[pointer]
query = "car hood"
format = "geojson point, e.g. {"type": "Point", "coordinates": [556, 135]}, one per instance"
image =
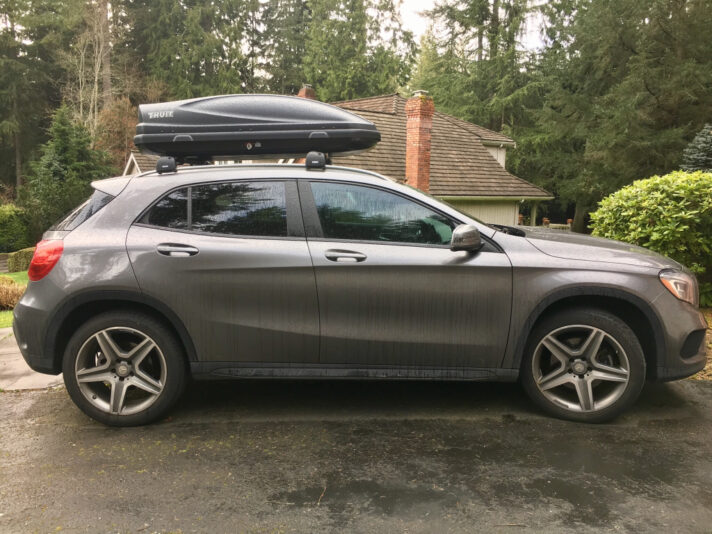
{"type": "Point", "coordinates": [573, 246]}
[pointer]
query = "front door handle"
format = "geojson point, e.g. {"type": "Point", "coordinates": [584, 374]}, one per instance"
{"type": "Point", "coordinates": [344, 255]}
{"type": "Point", "coordinates": [176, 250]}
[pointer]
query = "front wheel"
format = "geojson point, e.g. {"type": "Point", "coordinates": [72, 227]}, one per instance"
{"type": "Point", "coordinates": [583, 365]}
{"type": "Point", "coordinates": [124, 369]}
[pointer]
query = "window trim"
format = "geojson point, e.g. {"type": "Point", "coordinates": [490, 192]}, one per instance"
{"type": "Point", "coordinates": [295, 226]}
{"type": "Point", "coordinates": [312, 224]}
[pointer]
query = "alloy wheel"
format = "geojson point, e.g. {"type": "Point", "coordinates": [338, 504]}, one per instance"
{"type": "Point", "coordinates": [581, 368]}
{"type": "Point", "coordinates": [120, 370]}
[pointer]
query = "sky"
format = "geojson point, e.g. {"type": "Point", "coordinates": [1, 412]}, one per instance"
{"type": "Point", "coordinates": [413, 21]}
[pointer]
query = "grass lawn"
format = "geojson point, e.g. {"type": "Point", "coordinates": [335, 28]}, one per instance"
{"type": "Point", "coordinates": [5, 318]}
{"type": "Point", "coordinates": [20, 278]}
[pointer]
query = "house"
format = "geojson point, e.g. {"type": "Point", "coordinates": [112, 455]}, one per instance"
{"type": "Point", "coordinates": [459, 162]}
{"type": "Point", "coordinates": [454, 160]}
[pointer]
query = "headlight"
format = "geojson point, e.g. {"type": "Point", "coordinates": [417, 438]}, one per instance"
{"type": "Point", "coordinates": [682, 285]}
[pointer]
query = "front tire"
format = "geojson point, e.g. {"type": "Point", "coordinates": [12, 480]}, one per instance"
{"type": "Point", "coordinates": [583, 365]}
{"type": "Point", "coordinates": [124, 369]}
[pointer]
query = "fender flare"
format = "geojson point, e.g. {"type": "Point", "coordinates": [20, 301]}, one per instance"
{"type": "Point", "coordinates": [590, 291]}
{"type": "Point", "coordinates": [67, 307]}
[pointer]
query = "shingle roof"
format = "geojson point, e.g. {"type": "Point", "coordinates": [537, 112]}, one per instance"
{"type": "Point", "coordinates": [145, 162]}
{"type": "Point", "coordinates": [460, 165]}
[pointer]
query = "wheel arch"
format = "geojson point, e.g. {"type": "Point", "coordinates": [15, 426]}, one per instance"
{"type": "Point", "coordinates": [631, 309]}
{"type": "Point", "coordinates": [79, 308]}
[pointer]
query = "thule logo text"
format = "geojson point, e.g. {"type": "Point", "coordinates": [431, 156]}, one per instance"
{"type": "Point", "coordinates": [159, 114]}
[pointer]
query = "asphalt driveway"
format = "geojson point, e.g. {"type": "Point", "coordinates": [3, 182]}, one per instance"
{"type": "Point", "coordinates": [360, 457]}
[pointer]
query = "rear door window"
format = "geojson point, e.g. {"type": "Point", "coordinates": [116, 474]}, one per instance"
{"type": "Point", "coordinates": [240, 208]}
{"type": "Point", "coordinates": [232, 208]}
{"type": "Point", "coordinates": [170, 212]}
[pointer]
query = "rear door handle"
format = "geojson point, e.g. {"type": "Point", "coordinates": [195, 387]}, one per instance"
{"type": "Point", "coordinates": [344, 256]}
{"type": "Point", "coordinates": [176, 250]}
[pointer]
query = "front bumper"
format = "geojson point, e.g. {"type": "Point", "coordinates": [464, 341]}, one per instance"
{"type": "Point", "coordinates": [685, 340]}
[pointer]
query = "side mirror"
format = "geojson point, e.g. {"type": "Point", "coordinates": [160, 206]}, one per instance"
{"type": "Point", "coordinates": [466, 237]}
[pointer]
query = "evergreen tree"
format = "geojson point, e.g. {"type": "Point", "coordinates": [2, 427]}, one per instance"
{"type": "Point", "coordinates": [698, 154]}
{"type": "Point", "coordinates": [60, 179]}
{"type": "Point", "coordinates": [356, 48]}
{"type": "Point", "coordinates": [31, 33]}
{"type": "Point", "coordinates": [284, 45]}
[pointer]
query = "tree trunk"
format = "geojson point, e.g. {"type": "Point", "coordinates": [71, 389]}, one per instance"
{"type": "Point", "coordinates": [18, 163]}
{"type": "Point", "coordinates": [579, 224]}
{"type": "Point", "coordinates": [494, 30]}
{"type": "Point", "coordinates": [106, 55]}
{"type": "Point", "coordinates": [480, 42]}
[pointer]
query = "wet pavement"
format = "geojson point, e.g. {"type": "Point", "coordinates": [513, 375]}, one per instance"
{"type": "Point", "coordinates": [269, 456]}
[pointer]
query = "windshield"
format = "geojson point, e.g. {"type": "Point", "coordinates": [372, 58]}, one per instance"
{"type": "Point", "coordinates": [95, 202]}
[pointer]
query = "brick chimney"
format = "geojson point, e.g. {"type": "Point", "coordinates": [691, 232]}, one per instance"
{"type": "Point", "coordinates": [307, 91]}
{"type": "Point", "coordinates": [419, 109]}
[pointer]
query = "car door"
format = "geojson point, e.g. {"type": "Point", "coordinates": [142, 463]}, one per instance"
{"type": "Point", "coordinates": [391, 292]}
{"type": "Point", "coordinates": [231, 260]}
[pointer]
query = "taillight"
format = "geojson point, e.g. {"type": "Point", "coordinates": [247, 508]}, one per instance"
{"type": "Point", "coordinates": [46, 256]}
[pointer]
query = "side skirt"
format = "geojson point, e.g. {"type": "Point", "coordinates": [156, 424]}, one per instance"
{"type": "Point", "coordinates": [226, 370]}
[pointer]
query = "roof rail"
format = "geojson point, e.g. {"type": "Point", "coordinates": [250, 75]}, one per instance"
{"type": "Point", "coordinates": [185, 168]}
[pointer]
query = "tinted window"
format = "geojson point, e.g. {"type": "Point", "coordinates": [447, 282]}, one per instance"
{"type": "Point", "coordinates": [170, 212]}
{"type": "Point", "coordinates": [240, 208]}
{"type": "Point", "coordinates": [95, 202]}
{"type": "Point", "coordinates": [367, 214]}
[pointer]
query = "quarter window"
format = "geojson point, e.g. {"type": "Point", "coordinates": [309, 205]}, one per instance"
{"type": "Point", "coordinates": [366, 214]}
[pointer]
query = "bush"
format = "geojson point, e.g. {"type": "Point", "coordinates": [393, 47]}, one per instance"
{"type": "Point", "coordinates": [10, 293]}
{"type": "Point", "coordinates": [13, 228]}
{"type": "Point", "coordinates": [669, 214]}
{"type": "Point", "coordinates": [20, 260]}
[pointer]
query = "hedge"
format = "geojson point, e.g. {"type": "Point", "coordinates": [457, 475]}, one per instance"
{"type": "Point", "coordinates": [670, 214]}
{"type": "Point", "coordinates": [13, 228]}
{"type": "Point", "coordinates": [20, 260]}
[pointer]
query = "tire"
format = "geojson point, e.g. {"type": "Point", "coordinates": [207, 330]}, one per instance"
{"type": "Point", "coordinates": [140, 380]}
{"type": "Point", "coordinates": [583, 364]}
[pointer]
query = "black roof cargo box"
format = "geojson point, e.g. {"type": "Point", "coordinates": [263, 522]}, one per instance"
{"type": "Point", "coordinates": [250, 125]}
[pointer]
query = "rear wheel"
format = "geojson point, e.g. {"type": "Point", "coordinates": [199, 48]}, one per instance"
{"type": "Point", "coordinates": [583, 365]}
{"type": "Point", "coordinates": [124, 369]}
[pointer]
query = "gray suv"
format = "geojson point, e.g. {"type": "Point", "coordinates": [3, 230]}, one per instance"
{"type": "Point", "coordinates": [281, 271]}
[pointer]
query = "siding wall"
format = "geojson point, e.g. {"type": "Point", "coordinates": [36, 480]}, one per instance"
{"type": "Point", "coordinates": [498, 153]}
{"type": "Point", "coordinates": [497, 212]}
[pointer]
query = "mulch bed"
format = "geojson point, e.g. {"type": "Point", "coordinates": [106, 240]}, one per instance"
{"type": "Point", "coordinates": [706, 373]}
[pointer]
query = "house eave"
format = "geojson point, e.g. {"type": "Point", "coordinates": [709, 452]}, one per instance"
{"type": "Point", "coordinates": [484, 198]}
{"type": "Point", "coordinates": [498, 144]}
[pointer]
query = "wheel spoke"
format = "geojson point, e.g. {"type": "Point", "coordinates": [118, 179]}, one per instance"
{"type": "Point", "coordinates": [590, 347]}
{"type": "Point", "coordinates": [609, 374]}
{"type": "Point", "coordinates": [560, 351]}
{"type": "Point", "coordinates": [108, 348]}
{"type": "Point", "coordinates": [118, 394]}
{"type": "Point", "coordinates": [95, 374]}
{"type": "Point", "coordinates": [554, 379]}
{"type": "Point", "coordinates": [584, 391]}
{"type": "Point", "coordinates": [142, 381]}
{"type": "Point", "coordinates": [140, 351]}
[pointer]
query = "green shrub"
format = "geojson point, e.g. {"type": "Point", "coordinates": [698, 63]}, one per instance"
{"type": "Point", "coordinates": [20, 260]}
{"type": "Point", "coordinates": [669, 214]}
{"type": "Point", "coordinates": [13, 228]}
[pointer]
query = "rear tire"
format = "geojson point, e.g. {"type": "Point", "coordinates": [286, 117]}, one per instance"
{"type": "Point", "coordinates": [124, 369]}
{"type": "Point", "coordinates": [583, 364]}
